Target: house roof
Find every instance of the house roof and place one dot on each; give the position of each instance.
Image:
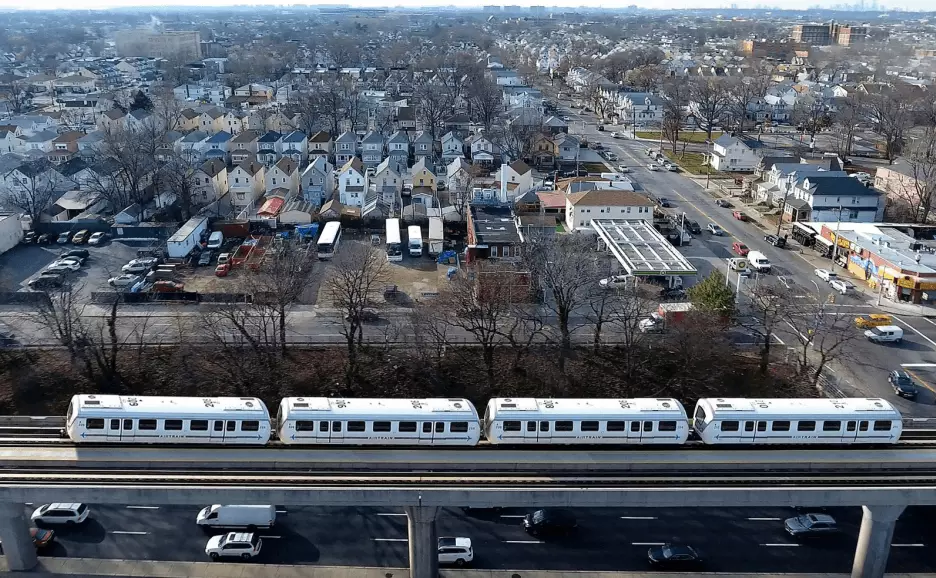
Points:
(421, 166)
(213, 167)
(422, 136)
(825, 184)
(272, 206)
(347, 136)
(189, 114)
(373, 137)
(270, 136)
(355, 163)
(389, 164)
(406, 113)
(609, 198)
(319, 164)
(398, 137)
(246, 136)
(552, 199)
(250, 167)
(195, 136)
(555, 122)
(320, 136)
(71, 167)
(295, 136)
(726, 140)
(287, 165)
(70, 136)
(219, 137)
(451, 135)
(520, 167)
(300, 206)
(115, 114)
(41, 136)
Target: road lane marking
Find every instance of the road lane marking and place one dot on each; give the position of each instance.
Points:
(921, 380)
(142, 507)
(523, 541)
(648, 543)
(128, 533)
(390, 539)
(513, 516)
(930, 321)
(782, 545)
(638, 517)
(915, 330)
(795, 330)
(764, 519)
(918, 365)
(907, 545)
(391, 514)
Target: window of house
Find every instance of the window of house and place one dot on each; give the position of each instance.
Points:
(493, 250)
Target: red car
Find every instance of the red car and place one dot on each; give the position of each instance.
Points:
(740, 249)
(739, 215)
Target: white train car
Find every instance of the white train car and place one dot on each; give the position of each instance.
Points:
(167, 420)
(585, 421)
(404, 422)
(797, 421)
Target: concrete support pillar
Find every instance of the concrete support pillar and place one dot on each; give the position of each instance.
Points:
(423, 541)
(874, 540)
(14, 533)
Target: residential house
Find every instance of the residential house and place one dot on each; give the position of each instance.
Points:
(318, 183)
(483, 150)
(269, 146)
(89, 143)
(779, 181)
(73, 174)
(210, 182)
(352, 183)
(398, 147)
(38, 141)
(641, 108)
(255, 90)
(423, 146)
(544, 152)
(518, 177)
(387, 180)
(320, 145)
(139, 119)
(296, 146)
(567, 149)
(283, 175)
(406, 119)
(8, 141)
(64, 146)
(828, 197)
(459, 124)
(902, 183)
(211, 120)
(555, 125)
(246, 182)
(730, 154)
(193, 146)
(584, 206)
(112, 120)
(243, 146)
(424, 179)
(506, 77)
(453, 147)
(345, 148)
(372, 149)
(167, 145)
(492, 234)
(218, 145)
(233, 123)
(188, 120)
(458, 175)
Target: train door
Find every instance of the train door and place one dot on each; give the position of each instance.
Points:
(337, 432)
(113, 429)
(217, 431)
(851, 431)
(633, 432)
(545, 431)
(425, 433)
(760, 430)
(747, 431)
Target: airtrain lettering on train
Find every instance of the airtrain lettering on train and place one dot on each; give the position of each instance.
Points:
(320, 421)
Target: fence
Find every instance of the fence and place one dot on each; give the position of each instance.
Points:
(35, 298)
(108, 297)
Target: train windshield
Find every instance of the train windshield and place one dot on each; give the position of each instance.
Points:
(700, 420)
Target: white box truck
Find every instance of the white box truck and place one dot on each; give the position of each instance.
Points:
(249, 517)
(759, 262)
(414, 234)
(435, 236)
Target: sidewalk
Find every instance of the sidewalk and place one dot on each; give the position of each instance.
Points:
(87, 568)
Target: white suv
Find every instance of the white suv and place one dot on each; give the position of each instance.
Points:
(61, 514)
(455, 551)
(237, 544)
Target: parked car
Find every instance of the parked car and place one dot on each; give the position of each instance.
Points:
(903, 384)
(59, 269)
(29, 237)
(41, 538)
(168, 287)
(664, 202)
(97, 238)
(616, 135)
(775, 240)
(79, 253)
(47, 281)
(204, 259)
(739, 215)
(715, 230)
(810, 525)
(674, 556)
(44, 239)
(623, 169)
(693, 227)
(61, 513)
(125, 280)
(723, 204)
(550, 522)
(825, 274)
(455, 551)
(64, 265)
(652, 167)
(234, 544)
(863, 177)
(672, 294)
(873, 320)
(671, 167)
(600, 127)
(80, 237)
(222, 270)
(842, 286)
(740, 248)
(63, 238)
(140, 265)
(615, 282)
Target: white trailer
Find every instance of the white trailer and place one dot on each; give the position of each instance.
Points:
(435, 236)
(181, 243)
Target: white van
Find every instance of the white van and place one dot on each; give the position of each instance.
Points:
(249, 517)
(885, 334)
(216, 240)
(758, 261)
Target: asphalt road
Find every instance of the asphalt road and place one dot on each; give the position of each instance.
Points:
(731, 539)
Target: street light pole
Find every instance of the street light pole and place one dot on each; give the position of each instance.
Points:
(835, 247)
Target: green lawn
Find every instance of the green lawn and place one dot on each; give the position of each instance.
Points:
(691, 162)
(696, 137)
(595, 167)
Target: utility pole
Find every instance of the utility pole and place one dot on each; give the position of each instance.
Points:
(634, 112)
(782, 208)
(835, 247)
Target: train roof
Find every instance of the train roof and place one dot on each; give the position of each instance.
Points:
(504, 407)
(780, 408)
(310, 406)
(159, 406)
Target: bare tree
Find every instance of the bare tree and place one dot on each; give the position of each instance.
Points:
(516, 139)
(358, 272)
(890, 111)
(823, 334)
(919, 192)
(709, 97)
(742, 92)
(769, 305)
(17, 96)
(36, 194)
(125, 166)
(675, 99)
(432, 105)
(845, 122)
(486, 101)
(810, 112)
(343, 50)
(646, 78)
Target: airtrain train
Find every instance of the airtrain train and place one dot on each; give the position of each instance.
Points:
(320, 421)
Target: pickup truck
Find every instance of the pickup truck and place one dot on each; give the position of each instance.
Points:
(666, 314)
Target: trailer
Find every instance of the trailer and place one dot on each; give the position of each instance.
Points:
(250, 251)
(436, 236)
(183, 241)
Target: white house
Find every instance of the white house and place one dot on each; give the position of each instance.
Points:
(482, 150)
(283, 175)
(372, 147)
(827, 197)
(296, 146)
(458, 174)
(519, 178)
(729, 154)
(318, 184)
(352, 184)
(210, 182)
(246, 182)
(387, 180)
(345, 148)
(452, 147)
(584, 206)
(423, 146)
(398, 146)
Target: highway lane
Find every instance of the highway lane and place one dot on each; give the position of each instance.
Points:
(732, 539)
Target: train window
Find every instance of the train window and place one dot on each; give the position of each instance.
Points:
(172, 425)
(648, 426)
(563, 426)
(381, 426)
(511, 426)
(95, 423)
(617, 426)
(762, 426)
(304, 425)
(407, 427)
(544, 426)
(458, 427)
(806, 426)
(882, 425)
(440, 427)
(850, 426)
(198, 425)
(589, 426)
(749, 426)
(700, 416)
(336, 426)
(427, 427)
(323, 426)
(250, 425)
(862, 426)
(667, 426)
(115, 424)
(219, 426)
(355, 426)
(780, 426)
(148, 424)
(831, 426)
(531, 426)
(730, 426)
(635, 426)
(128, 424)
(230, 426)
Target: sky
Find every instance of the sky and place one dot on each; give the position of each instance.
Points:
(911, 5)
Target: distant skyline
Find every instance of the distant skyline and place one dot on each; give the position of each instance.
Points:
(901, 5)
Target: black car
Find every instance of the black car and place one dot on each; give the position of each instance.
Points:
(29, 237)
(80, 253)
(675, 556)
(549, 523)
(204, 259)
(7, 339)
(47, 281)
(694, 227)
(664, 202)
(903, 384)
(600, 127)
(775, 240)
(672, 294)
